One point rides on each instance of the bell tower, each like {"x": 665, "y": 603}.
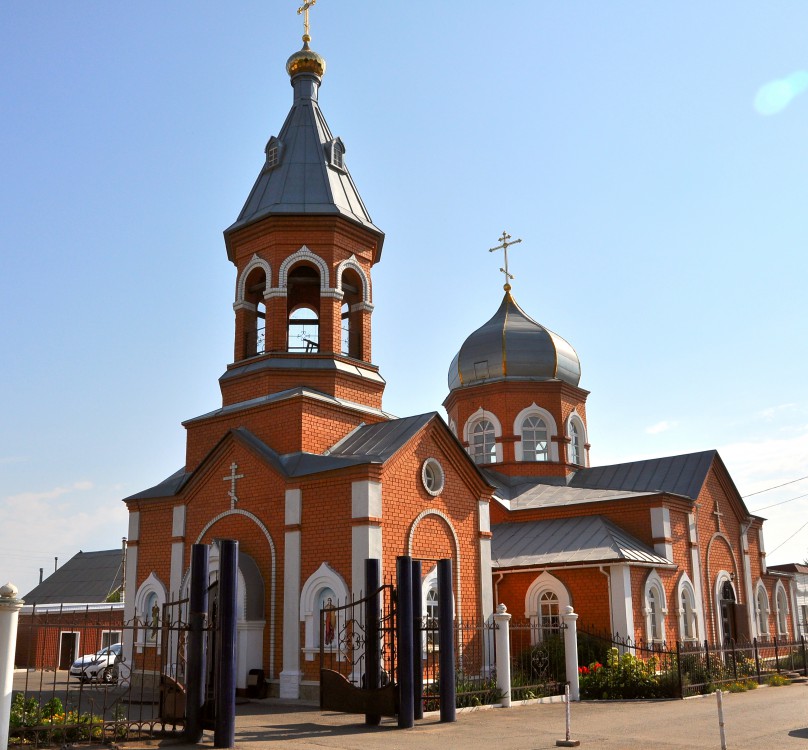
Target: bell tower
{"x": 303, "y": 246}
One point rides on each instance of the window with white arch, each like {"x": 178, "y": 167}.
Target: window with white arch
{"x": 781, "y": 603}
{"x": 545, "y": 601}
{"x": 149, "y": 601}
{"x": 688, "y": 621}
{"x": 324, "y": 590}
{"x": 577, "y": 440}
{"x": 762, "y": 609}
{"x": 655, "y": 608}
{"x": 481, "y": 431}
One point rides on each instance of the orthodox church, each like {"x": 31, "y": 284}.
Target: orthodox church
{"x": 303, "y": 467}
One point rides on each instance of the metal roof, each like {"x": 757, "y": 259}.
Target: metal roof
{"x": 563, "y": 541}
{"x": 306, "y": 179}
{"x": 676, "y": 475}
{"x": 513, "y": 346}
{"x": 86, "y": 578}
{"x": 367, "y": 444}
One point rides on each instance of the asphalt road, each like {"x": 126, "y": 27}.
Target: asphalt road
{"x": 765, "y": 718}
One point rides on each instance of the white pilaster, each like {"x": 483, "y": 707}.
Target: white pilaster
{"x": 10, "y": 607}
{"x": 746, "y": 562}
{"x": 661, "y": 530}
{"x": 366, "y": 539}
{"x": 622, "y": 604}
{"x": 290, "y": 674}
{"x": 695, "y": 562}
{"x": 127, "y": 637}
{"x": 486, "y": 584}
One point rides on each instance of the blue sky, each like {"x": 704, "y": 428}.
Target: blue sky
{"x": 652, "y": 157}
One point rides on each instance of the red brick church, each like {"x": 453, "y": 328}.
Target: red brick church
{"x": 303, "y": 467}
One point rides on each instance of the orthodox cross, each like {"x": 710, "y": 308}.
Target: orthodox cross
{"x": 304, "y": 9}
{"x": 232, "y": 477}
{"x": 717, "y": 513}
{"x": 505, "y": 243}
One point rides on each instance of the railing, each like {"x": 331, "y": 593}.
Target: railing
{"x": 65, "y": 698}
{"x": 537, "y": 660}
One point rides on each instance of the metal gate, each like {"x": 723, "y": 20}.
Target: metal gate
{"x": 358, "y": 655}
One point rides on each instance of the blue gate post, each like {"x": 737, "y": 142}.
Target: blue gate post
{"x": 448, "y": 710}
{"x": 373, "y": 643}
{"x": 406, "y": 709}
{"x": 224, "y": 733}
{"x": 196, "y": 653}
{"x": 417, "y": 626}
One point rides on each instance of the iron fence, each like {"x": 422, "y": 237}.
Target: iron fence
{"x": 538, "y": 667}
{"x": 615, "y": 667}
{"x": 85, "y": 676}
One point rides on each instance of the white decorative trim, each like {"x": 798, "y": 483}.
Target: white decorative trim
{"x": 781, "y": 614}
{"x": 545, "y": 582}
{"x": 325, "y": 577}
{"x": 274, "y": 292}
{"x": 575, "y": 418}
{"x": 353, "y": 264}
{"x": 304, "y": 254}
{"x": 764, "y": 610}
{"x": 362, "y": 307}
{"x": 478, "y": 416}
{"x": 661, "y": 529}
{"x": 435, "y": 512}
{"x": 150, "y": 593}
{"x": 431, "y": 466}
{"x": 721, "y": 578}
{"x": 653, "y": 581}
{"x": 255, "y": 262}
{"x": 259, "y": 523}
{"x": 685, "y": 586}
{"x": 248, "y": 306}
{"x": 552, "y": 431}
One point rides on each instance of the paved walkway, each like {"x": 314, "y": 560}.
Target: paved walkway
{"x": 763, "y": 718}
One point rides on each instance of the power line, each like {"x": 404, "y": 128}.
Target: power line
{"x": 768, "y": 489}
{"x": 789, "y": 539}
{"x": 782, "y": 502}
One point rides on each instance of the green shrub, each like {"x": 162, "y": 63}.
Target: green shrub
{"x": 777, "y": 680}
{"x": 626, "y": 676}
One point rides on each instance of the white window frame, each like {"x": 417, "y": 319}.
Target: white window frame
{"x": 152, "y": 585}
{"x": 653, "y": 583}
{"x": 781, "y": 608}
{"x": 468, "y": 428}
{"x": 110, "y": 641}
{"x": 688, "y": 614}
{"x": 544, "y": 583}
{"x": 325, "y": 577}
{"x": 583, "y": 457}
{"x": 552, "y": 431}
{"x": 433, "y": 476}
{"x": 762, "y": 609}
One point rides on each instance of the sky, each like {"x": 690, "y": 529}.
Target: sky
{"x": 651, "y": 156}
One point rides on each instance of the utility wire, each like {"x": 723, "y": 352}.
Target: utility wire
{"x": 789, "y": 539}
{"x": 782, "y": 502}
{"x": 768, "y": 489}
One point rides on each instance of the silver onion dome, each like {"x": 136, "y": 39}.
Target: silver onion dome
{"x": 513, "y": 346}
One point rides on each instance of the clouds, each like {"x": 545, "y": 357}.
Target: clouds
{"x": 773, "y": 97}
{"x": 662, "y": 426}
{"x": 39, "y": 524}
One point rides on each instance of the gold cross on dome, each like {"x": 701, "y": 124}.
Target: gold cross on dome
{"x": 505, "y": 243}
{"x": 304, "y": 9}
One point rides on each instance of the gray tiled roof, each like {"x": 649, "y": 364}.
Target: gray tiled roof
{"x": 566, "y": 541}
{"x": 367, "y": 444}
{"x": 673, "y": 475}
{"x": 305, "y": 180}
{"x": 86, "y": 578}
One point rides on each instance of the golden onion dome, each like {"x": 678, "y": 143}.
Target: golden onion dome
{"x": 305, "y": 60}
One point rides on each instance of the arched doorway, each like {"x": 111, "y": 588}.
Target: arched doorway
{"x": 729, "y": 630}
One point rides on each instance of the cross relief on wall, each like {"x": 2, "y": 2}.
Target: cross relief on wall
{"x": 232, "y": 478}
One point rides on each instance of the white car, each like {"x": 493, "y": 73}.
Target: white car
{"x": 101, "y": 666}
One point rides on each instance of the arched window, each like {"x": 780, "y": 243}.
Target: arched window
{"x": 575, "y": 452}
{"x": 431, "y": 615}
{"x": 549, "y": 615}
{"x": 324, "y": 590}
{"x": 762, "y": 606}
{"x": 304, "y": 331}
{"x": 345, "y": 337}
{"x": 687, "y": 612}
{"x": 782, "y": 609}
{"x": 482, "y": 443}
{"x": 535, "y": 446}
{"x": 655, "y": 609}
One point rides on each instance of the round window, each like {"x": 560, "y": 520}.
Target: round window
{"x": 432, "y": 476}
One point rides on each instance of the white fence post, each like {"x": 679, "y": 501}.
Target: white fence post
{"x": 10, "y": 607}
{"x": 571, "y": 651}
{"x": 503, "y": 641}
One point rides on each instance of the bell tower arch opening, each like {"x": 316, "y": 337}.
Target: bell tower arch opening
{"x": 303, "y": 309}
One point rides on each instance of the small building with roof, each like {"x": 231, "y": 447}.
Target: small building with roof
{"x": 77, "y": 609}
